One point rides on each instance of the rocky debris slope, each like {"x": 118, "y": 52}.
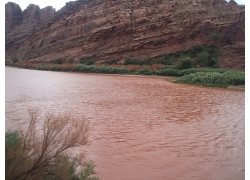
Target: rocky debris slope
{"x": 108, "y": 31}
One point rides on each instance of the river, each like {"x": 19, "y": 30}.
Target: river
{"x": 140, "y": 127}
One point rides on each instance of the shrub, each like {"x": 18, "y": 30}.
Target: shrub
{"x": 204, "y": 78}
{"x": 42, "y": 67}
{"x": 82, "y": 61}
{"x": 195, "y": 50}
{"x": 146, "y": 71}
{"x": 195, "y": 70}
{"x": 90, "y": 62}
{"x": 103, "y": 69}
{"x": 15, "y": 60}
{"x": 148, "y": 61}
{"x": 87, "y": 62}
{"x": 214, "y": 78}
{"x": 168, "y": 71}
{"x": 129, "y": 60}
{"x": 214, "y": 62}
{"x": 214, "y": 36}
{"x": 54, "y": 68}
{"x": 203, "y": 58}
{"x": 38, "y": 153}
{"x": 167, "y": 60}
{"x": 59, "y": 61}
{"x": 8, "y": 63}
{"x": 185, "y": 63}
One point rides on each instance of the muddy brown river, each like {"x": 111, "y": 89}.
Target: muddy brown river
{"x": 141, "y": 127}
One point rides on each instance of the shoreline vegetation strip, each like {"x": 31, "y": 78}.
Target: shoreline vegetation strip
{"x": 212, "y": 77}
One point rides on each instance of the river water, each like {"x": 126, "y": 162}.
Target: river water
{"x": 141, "y": 127}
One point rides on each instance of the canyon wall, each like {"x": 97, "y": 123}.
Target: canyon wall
{"x": 108, "y": 31}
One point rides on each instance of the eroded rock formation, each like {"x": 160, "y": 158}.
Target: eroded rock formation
{"x": 13, "y": 16}
{"x": 110, "y": 30}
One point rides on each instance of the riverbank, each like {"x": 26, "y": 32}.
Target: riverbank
{"x": 212, "y": 77}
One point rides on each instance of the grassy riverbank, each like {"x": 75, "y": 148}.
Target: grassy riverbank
{"x": 216, "y": 77}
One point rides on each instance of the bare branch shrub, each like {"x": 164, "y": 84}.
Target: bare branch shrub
{"x": 41, "y": 151}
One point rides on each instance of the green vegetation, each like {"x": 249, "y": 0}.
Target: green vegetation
{"x": 146, "y": 71}
{"x": 202, "y": 55}
{"x": 103, "y": 69}
{"x": 59, "y": 61}
{"x": 15, "y": 60}
{"x": 40, "y": 154}
{"x": 206, "y": 76}
{"x": 201, "y": 60}
{"x": 166, "y": 60}
{"x": 185, "y": 63}
{"x": 87, "y": 62}
{"x": 214, "y": 78}
{"x": 168, "y": 71}
{"x": 215, "y": 37}
{"x": 129, "y": 60}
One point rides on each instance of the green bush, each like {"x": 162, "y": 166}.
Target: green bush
{"x": 207, "y": 60}
{"x": 167, "y": 60}
{"x": 185, "y": 63}
{"x": 15, "y": 60}
{"x": 87, "y": 62}
{"x": 42, "y": 67}
{"x": 54, "y": 68}
{"x": 214, "y": 62}
{"x": 103, "y": 69}
{"x": 195, "y": 70}
{"x": 59, "y": 61}
{"x": 8, "y": 63}
{"x": 90, "y": 62}
{"x": 82, "y": 61}
{"x": 129, "y": 60}
{"x": 146, "y": 71}
{"x": 195, "y": 50}
{"x": 203, "y": 58}
{"x": 168, "y": 71}
{"x": 214, "y": 78}
{"x": 214, "y": 36}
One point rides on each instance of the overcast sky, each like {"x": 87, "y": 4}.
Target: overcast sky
{"x": 59, "y": 4}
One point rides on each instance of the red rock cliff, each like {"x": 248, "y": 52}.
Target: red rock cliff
{"x": 111, "y": 30}
{"x": 19, "y": 24}
{"x": 13, "y": 16}
{"x": 33, "y": 13}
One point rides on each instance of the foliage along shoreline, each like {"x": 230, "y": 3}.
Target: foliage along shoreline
{"x": 198, "y": 66}
{"x": 212, "y": 77}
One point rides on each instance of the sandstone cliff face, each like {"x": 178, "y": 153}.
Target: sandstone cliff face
{"x": 33, "y": 13}
{"x": 19, "y": 24}
{"x": 13, "y": 16}
{"x": 111, "y": 30}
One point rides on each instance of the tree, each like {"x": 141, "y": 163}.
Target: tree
{"x": 41, "y": 151}
{"x": 203, "y": 58}
{"x": 185, "y": 63}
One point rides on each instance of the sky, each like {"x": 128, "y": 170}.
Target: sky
{"x": 59, "y": 4}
